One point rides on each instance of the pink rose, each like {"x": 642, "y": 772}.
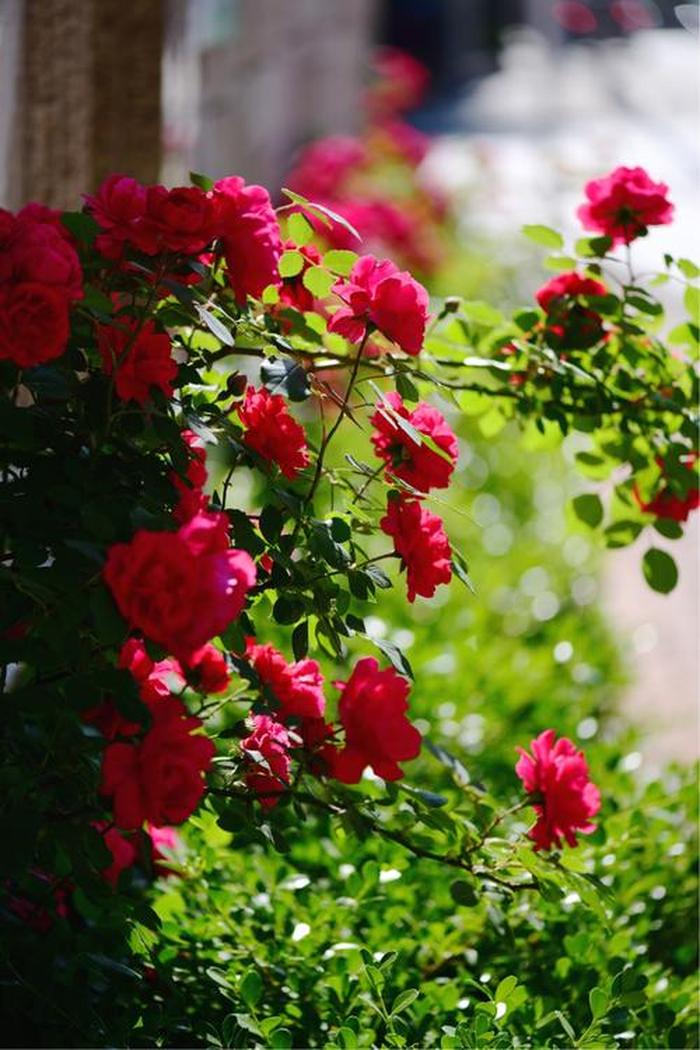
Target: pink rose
{"x": 378, "y": 293}
{"x": 250, "y": 236}
{"x": 624, "y": 203}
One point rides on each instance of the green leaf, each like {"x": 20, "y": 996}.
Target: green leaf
{"x": 340, "y": 261}
{"x": 544, "y": 235}
{"x": 214, "y": 325}
{"x": 81, "y": 225}
{"x": 505, "y": 988}
{"x": 300, "y": 640}
{"x": 598, "y": 1000}
{"x": 403, "y": 1000}
{"x": 622, "y": 533}
{"x": 595, "y": 247}
{"x": 283, "y": 375}
{"x": 462, "y": 892}
{"x": 299, "y": 228}
{"x": 691, "y": 300}
{"x": 287, "y": 610}
{"x": 669, "y": 528}
{"x": 660, "y": 570}
{"x": 251, "y": 988}
{"x": 688, "y": 268}
{"x": 588, "y": 509}
{"x": 291, "y": 263}
{"x": 482, "y": 313}
{"x": 319, "y": 281}
{"x": 202, "y": 181}
{"x": 395, "y": 657}
{"x": 559, "y": 262}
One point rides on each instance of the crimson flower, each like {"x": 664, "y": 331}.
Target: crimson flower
{"x": 571, "y": 324}
{"x": 420, "y": 540}
{"x": 623, "y": 204}
{"x": 380, "y": 294}
{"x": 269, "y": 741}
{"x": 565, "y": 799}
{"x": 180, "y": 588}
{"x": 297, "y": 687}
{"x": 272, "y": 432}
{"x": 412, "y": 461}
{"x": 139, "y": 356}
{"x": 372, "y": 711}
{"x": 33, "y": 323}
{"x": 250, "y": 236}
{"x": 666, "y": 503}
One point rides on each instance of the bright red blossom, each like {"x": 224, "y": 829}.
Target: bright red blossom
{"x": 624, "y": 203}
{"x": 270, "y": 740}
{"x": 380, "y": 294}
{"x": 165, "y": 845}
{"x": 123, "y": 852}
{"x": 557, "y": 775}
{"x": 250, "y": 236}
{"x": 272, "y": 432}
{"x": 297, "y": 687}
{"x": 139, "y": 356}
{"x": 208, "y": 670}
{"x": 158, "y": 778}
{"x": 180, "y": 588}
{"x": 421, "y": 542}
{"x": 414, "y": 462}
{"x": 33, "y": 323}
{"x": 293, "y": 292}
{"x": 372, "y": 711}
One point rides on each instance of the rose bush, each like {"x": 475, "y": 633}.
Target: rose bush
{"x": 174, "y": 491}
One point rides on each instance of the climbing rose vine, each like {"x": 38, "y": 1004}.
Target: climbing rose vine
{"x": 220, "y": 446}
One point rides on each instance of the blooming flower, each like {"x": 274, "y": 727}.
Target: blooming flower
{"x": 408, "y": 459}
{"x": 297, "y": 687}
{"x": 571, "y": 325}
{"x": 36, "y": 249}
{"x": 381, "y": 294}
{"x": 165, "y": 842}
{"x": 565, "y": 799}
{"x": 401, "y": 82}
{"x": 158, "y": 778}
{"x": 139, "y": 357}
{"x": 372, "y": 711}
{"x": 33, "y": 323}
{"x": 624, "y": 203}
{"x": 272, "y": 432}
{"x": 420, "y": 540}
{"x": 324, "y": 166}
{"x": 250, "y": 236}
{"x": 209, "y": 670}
{"x": 192, "y": 498}
{"x": 177, "y": 220}
{"x": 270, "y": 740}
{"x": 666, "y": 503}
{"x": 180, "y": 588}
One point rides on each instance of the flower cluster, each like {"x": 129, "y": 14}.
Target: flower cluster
{"x": 623, "y": 204}
{"x": 40, "y": 276}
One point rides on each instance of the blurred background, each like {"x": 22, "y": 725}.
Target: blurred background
{"x": 509, "y": 106}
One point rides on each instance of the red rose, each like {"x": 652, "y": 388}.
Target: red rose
{"x": 208, "y": 669}
{"x": 566, "y": 799}
{"x": 571, "y": 325}
{"x": 177, "y": 220}
{"x": 407, "y": 459}
{"x": 39, "y": 251}
{"x": 323, "y": 167}
{"x": 180, "y": 588}
{"x": 140, "y": 357}
{"x": 624, "y": 203}
{"x": 381, "y": 294}
{"x": 33, "y": 323}
{"x": 250, "y": 236}
{"x": 297, "y": 687}
{"x": 192, "y": 498}
{"x": 118, "y": 206}
{"x": 158, "y": 778}
{"x": 155, "y": 681}
{"x": 411, "y": 144}
{"x": 420, "y": 540}
{"x": 272, "y": 432}
{"x": 372, "y": 711}
{"x": 270, "y": 740}
{"x": 667, "y": 503}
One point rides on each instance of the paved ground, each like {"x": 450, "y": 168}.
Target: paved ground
{"x": 524, "y": 142}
